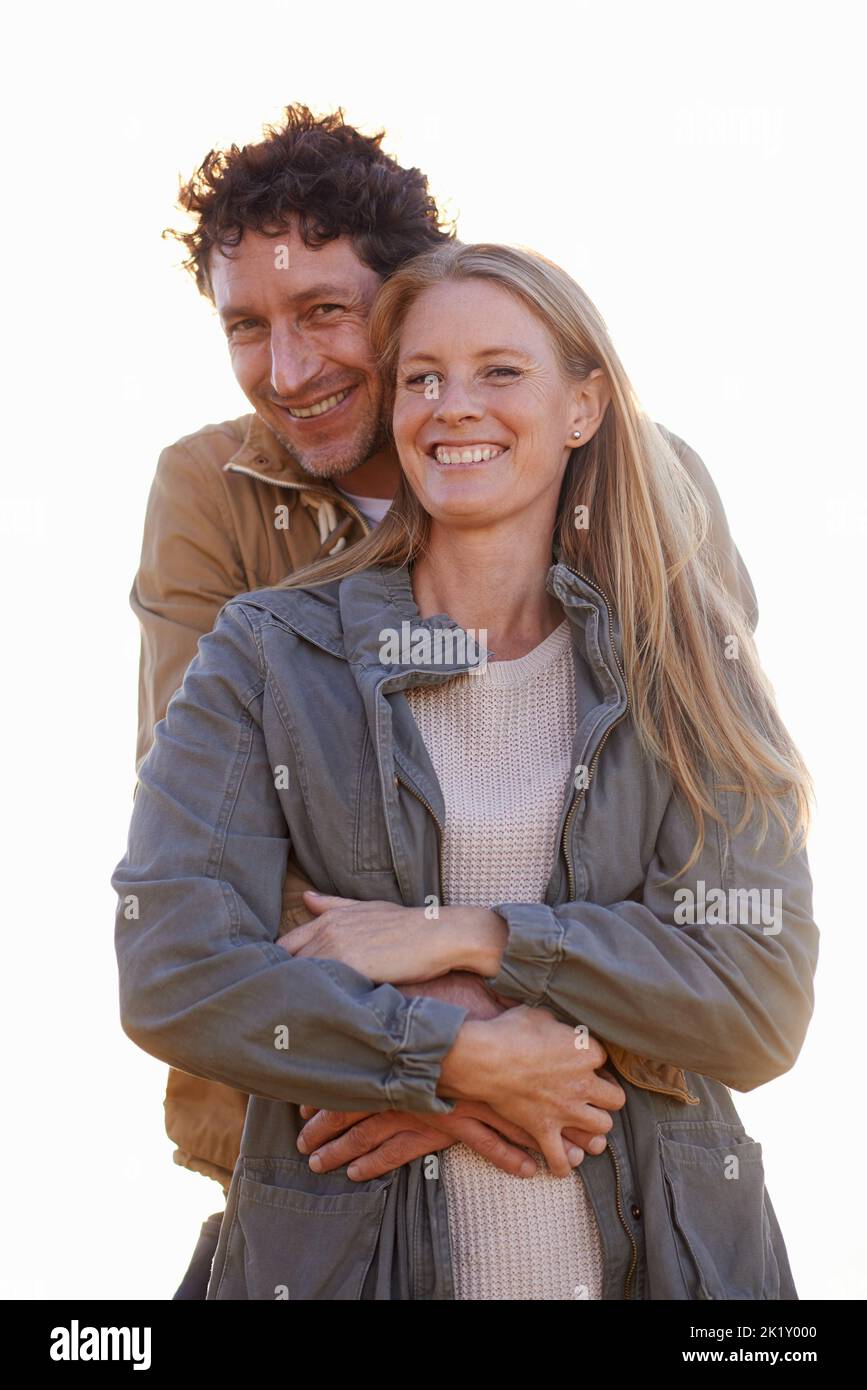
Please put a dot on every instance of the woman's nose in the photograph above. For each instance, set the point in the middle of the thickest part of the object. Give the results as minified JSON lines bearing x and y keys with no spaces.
{"x":455,"y":401}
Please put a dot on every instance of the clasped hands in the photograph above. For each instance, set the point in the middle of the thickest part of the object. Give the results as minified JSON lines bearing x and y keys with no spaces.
{"x":517,"y":1075}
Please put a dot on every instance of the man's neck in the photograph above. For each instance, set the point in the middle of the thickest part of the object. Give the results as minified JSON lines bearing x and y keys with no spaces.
{"x":376,"y":477}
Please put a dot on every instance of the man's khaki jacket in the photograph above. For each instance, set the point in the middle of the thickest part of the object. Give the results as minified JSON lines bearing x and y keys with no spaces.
{"x":229,"y":512}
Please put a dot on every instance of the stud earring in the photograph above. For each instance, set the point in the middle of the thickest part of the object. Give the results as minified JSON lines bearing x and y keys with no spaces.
{"x":576,"y":434}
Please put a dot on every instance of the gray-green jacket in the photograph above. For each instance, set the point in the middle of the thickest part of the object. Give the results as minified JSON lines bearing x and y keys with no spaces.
{"x":289,"y":730}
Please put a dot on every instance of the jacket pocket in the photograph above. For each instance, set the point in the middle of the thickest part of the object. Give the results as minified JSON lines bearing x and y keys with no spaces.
{"x":714,"y":1183}
{"x":298,"y":1235}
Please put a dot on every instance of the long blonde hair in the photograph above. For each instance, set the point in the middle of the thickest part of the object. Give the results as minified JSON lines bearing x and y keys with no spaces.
{"x":646,"y":547}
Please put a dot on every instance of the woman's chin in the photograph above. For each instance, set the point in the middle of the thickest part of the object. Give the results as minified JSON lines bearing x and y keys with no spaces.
{"x":465,"y":491}
{"x":472,"y":505}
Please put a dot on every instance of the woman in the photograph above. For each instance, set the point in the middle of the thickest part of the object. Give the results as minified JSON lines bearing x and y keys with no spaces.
{"x":596,"y":819}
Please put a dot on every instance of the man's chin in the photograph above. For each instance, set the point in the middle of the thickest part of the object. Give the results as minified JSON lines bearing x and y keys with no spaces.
{"x":332,"y":460}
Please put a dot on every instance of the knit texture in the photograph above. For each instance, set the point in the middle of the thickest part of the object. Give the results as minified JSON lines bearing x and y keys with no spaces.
{"x":500,"y":742}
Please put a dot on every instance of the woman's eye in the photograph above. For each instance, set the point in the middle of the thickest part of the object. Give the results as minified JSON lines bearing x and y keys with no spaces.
{"x":428,"y":378}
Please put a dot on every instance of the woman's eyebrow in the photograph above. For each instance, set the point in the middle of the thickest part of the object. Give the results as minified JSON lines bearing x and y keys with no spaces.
{"x":505,"y":350}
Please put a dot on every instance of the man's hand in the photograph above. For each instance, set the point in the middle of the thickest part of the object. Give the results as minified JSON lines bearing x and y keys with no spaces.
{"x":465,"y":989}
{"x":374,"y":1144}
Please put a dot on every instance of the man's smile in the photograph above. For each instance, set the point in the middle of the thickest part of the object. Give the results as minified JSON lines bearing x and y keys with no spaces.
{"x":316,"y":408}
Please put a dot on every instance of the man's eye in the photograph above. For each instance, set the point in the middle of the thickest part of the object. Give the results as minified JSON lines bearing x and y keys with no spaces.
{"x":242,"y":326}
{"x":324,"y":309}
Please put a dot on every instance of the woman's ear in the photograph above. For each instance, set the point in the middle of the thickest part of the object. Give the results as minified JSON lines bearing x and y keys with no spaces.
{"x":591,"y":398}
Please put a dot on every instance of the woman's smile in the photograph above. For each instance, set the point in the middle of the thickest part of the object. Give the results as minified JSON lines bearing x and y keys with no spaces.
{"x":460,"y":454}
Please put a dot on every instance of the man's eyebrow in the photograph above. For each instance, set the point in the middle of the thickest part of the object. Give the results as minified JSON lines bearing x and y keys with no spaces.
{"x":508,"y":350}
{"x":236,"y":311}
{"x":324,"y":291}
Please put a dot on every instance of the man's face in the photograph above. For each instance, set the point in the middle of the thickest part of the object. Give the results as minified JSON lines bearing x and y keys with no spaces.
{"x":296,"y":323}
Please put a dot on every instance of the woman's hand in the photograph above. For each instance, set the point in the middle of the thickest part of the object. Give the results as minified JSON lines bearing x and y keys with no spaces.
{"x":374,"y":1144}
{"x":531,"y":1070}
{"x":396,"y":945}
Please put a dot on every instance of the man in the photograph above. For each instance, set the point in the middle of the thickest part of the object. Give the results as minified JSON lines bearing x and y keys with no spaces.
{"x":291,"y":239}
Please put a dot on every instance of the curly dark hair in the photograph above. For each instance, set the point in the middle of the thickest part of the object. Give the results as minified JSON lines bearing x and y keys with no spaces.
{"x":323,"y":176}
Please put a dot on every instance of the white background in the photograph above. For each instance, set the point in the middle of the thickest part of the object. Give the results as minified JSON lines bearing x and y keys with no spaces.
{"x":697,"y":168}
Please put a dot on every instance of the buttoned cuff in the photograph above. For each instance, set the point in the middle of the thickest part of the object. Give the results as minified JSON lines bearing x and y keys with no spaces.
{"x":432,"y":1025}
{"x":533,"y":950}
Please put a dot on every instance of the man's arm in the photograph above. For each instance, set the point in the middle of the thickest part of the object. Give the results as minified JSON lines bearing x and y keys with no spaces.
{"x":734,"y":572}
{"x":189,"y":568}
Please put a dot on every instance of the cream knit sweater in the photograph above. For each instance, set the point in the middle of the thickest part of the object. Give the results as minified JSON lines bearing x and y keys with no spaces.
{"x":501,"y":745}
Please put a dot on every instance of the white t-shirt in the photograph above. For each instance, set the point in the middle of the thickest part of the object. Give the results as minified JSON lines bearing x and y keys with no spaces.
{"x":373,"y":508}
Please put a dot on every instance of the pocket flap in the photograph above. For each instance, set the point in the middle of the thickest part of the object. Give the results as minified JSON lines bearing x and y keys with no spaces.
{"x":299,"y":1235}
{"x":715,"y":1188}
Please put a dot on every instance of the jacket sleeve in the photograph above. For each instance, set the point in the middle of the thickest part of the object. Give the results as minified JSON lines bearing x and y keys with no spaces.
{"x":203,"y":986}
{"x":729,"y":998}
{"x":734,"y":571}
{"x":189,"y":568}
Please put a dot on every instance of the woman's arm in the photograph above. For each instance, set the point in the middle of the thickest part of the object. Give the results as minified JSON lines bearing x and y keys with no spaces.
{"x":729,"y":998}
{"x":203,"y":984}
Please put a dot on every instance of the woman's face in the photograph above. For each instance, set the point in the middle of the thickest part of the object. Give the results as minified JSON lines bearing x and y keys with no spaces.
{"x":483,"y":418}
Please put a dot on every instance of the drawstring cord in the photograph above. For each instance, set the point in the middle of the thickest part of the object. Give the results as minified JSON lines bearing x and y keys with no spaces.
{"x":326,"y":520}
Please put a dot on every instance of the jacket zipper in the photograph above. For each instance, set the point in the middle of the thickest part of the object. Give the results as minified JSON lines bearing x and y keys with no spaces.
{"x":627,"y":1287}
{"x":303,"y":487}
{"x":618,"y":1189}
{"x":576,"y":800}
{"x":418,"y":796}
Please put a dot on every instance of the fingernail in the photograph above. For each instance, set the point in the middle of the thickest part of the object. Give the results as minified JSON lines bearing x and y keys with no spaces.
{"x":574,"y":1155}
{"x":316,"y":1163}
{"x":353,"y":1170}
{"x":599,"y":1144}
{"x":302,"y":1144}
{"x":528,"y":1168}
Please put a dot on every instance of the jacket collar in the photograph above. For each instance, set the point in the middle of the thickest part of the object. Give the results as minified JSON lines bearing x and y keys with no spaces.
{"x":383,"y":597}
{"x":347,"y":618}
{"x":263,"y":457}
{"x":262,"y":452}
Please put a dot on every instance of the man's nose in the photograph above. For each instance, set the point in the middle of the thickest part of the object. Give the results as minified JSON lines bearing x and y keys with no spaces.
{"x":293,"y":363}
